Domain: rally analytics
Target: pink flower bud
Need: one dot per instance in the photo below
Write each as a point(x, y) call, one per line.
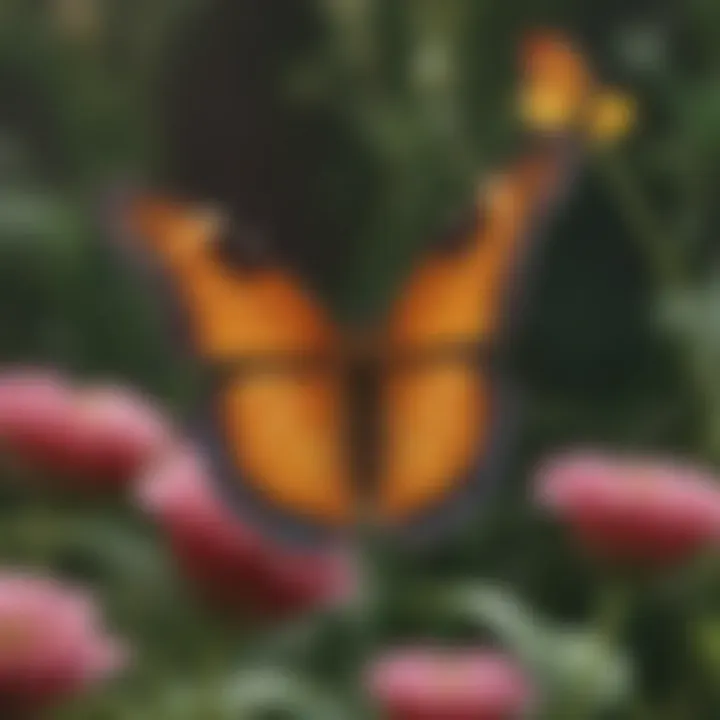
point(633, 510)
point(448, 684)
point(117, 433)
point(100, 437)
point(35, 408)
point(52, 644)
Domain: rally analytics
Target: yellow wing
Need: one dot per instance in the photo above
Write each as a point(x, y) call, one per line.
point(560, 93)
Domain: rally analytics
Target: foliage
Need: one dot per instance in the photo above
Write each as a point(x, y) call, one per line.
point(391, 111)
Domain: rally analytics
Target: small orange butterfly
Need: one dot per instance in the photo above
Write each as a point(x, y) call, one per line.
point(313, 427)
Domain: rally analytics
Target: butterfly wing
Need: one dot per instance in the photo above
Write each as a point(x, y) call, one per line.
point(273, 416)
point(557, 82)
point(560, 93)
point(447, 420)
point(448, 416)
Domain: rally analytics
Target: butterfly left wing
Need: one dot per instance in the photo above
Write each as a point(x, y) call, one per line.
point(273, 420)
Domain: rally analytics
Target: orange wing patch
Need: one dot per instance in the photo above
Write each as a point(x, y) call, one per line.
point(282, 431)
point(557, 82)
point(457, 296)
point(437, 417)
point(231, 313)
point(286, 433)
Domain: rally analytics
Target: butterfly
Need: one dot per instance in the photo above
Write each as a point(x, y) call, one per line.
point(312, 428)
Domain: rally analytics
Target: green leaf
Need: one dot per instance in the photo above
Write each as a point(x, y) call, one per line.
point(572, 665)
point(271, 689)
point(251, 695)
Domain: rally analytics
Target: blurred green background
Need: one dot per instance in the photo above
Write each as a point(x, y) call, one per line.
point(347, 133)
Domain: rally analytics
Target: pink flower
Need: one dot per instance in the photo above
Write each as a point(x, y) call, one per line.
point(633, 510)
point(117, 433)
point(35, 407)
point(102, 436)
point(448, 684)
point(229, 563)
point(52, 645)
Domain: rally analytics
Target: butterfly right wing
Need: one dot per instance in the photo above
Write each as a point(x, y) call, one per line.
point(446, 412)
point(448, 420)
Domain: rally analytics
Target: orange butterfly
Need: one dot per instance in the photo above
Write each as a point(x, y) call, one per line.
point(312, 427)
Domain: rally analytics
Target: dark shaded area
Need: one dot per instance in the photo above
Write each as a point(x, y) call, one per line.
point(289, 168)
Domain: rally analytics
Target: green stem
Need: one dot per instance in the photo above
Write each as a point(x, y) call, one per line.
point(40, 525)
point(641, 711)
point(361, 617)
point(658, 247)
point(653, 240)
point(612, 609)
point(610, 616)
